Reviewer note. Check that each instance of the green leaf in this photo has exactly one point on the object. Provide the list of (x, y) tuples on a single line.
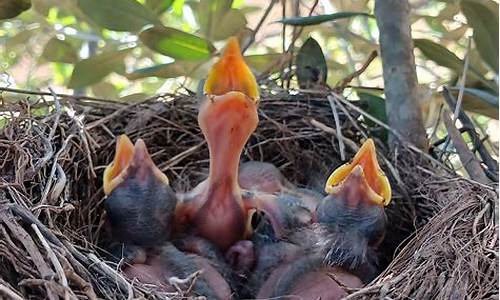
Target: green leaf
[(105, 90), (21, 38), (439, 54), (176, 44), (59, 51), (479, 101), (446, 58), (12, 8), (209, 13), (118, 15), (158, 6), (95, 68), (250, 9), (314, 20), (170, 70), (484, 21), (229, 24), (435, 24), (135, 97), (311, 64), (375, 106), (264, 62)]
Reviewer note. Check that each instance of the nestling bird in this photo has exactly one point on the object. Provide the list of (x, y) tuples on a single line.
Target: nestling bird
[(227, 117), (140, 204), (336, 251), (245, 221), (140, 208)]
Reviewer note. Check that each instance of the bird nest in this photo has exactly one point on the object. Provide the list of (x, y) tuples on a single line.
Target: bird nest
[(442, 239)]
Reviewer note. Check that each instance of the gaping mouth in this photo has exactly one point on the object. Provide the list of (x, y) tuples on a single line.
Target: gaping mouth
[(228, 116), (365, 172), (231, 74), (129, 158)]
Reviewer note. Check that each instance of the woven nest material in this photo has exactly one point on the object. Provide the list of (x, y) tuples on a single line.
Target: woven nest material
[(442, 240)]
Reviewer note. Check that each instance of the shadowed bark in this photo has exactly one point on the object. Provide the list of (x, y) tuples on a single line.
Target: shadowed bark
[(400, 78)]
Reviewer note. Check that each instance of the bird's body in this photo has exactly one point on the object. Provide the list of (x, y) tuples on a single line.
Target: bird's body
[(169, 262), (246, 222)]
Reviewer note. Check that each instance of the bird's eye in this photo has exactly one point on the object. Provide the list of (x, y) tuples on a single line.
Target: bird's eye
[(257, 219)]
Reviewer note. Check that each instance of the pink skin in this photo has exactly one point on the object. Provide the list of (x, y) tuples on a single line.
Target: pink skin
[(154, 271), (241, 256), (323, 284), (215, 208)]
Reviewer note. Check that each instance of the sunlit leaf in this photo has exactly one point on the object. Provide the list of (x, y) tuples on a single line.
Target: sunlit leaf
[(209, 13), (118, 15), (61, 72), (435, 24), (105, 90), (20, 39), (311, 64), (314, 20), (484, 21), (59, 51), (250, 9), (95, 68), (439, 54), (455, 34), (12, 8), (56, 11), (135, 97), (170, 70), (230, 23), (478, 101), (178, 6), (158, 6), (265, 62), (176, 44), (446, 58)]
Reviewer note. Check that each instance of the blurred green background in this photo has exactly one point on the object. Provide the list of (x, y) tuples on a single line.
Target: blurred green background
[(127, 50)]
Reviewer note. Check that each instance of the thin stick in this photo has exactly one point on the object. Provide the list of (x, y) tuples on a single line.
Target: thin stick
[(332, 131), (460, 97), (53, 170), (54, 260), (331, 99), (299, 32), (490, 162), (394, 132), (57, 115), (468, 159), (259, 25), (357, 73), (27, 92), (462, 83), (5, 290)]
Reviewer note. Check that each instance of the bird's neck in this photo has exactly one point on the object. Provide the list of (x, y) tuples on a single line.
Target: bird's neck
[(224, 161)]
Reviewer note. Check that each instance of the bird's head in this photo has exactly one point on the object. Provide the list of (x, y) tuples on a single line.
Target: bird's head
[(231, 74), (357, 192), (362, 179), (229, 112), (227, 117), (130, 161), (140, 204)]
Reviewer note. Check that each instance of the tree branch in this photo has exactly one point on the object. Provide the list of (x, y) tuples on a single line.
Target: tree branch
[(468, 159), (400, 77)]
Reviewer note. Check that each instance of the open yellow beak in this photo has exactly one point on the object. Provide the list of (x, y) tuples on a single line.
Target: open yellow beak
[(231, 74), (123, 156), (365, 172), (127, 157)]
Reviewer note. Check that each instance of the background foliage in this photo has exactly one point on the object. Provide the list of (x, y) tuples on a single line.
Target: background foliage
[(128, 49)]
